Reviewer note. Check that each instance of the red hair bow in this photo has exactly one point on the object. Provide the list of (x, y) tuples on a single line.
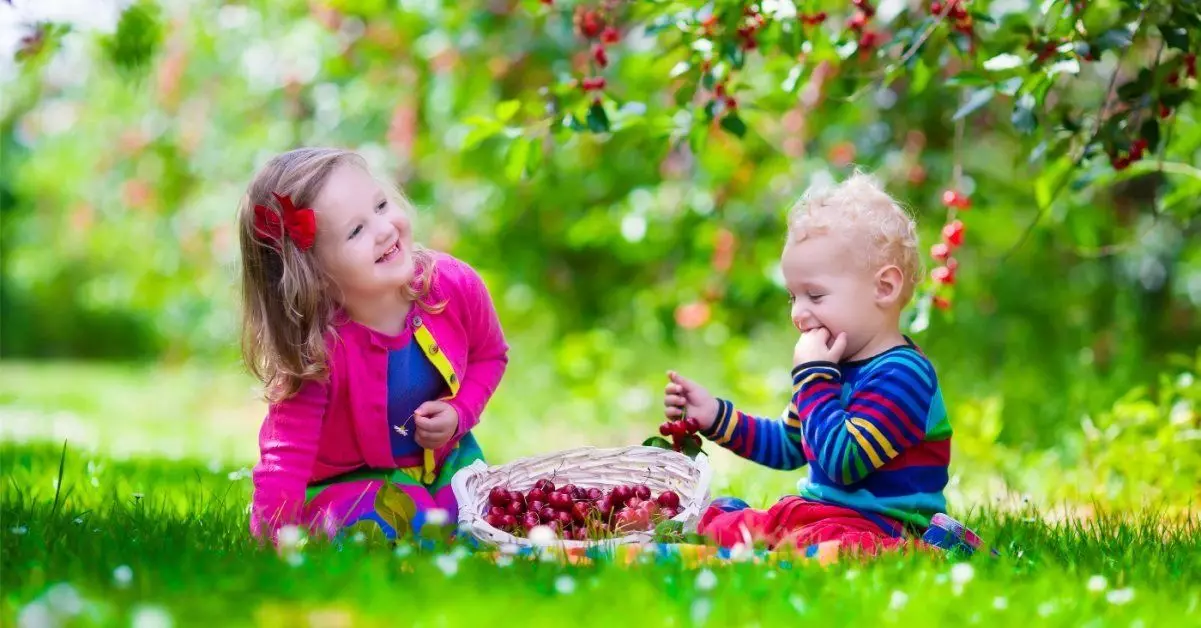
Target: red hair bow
[(301, 224)]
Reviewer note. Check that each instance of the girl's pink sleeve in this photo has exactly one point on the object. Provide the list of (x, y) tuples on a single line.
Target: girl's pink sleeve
[(487, 352), (287, 452)]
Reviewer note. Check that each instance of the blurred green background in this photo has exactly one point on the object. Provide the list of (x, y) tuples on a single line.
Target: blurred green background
[(1069, 355)]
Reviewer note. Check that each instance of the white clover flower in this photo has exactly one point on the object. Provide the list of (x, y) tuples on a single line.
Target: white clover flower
[(706, 580), (797, 602), (123, 575), (898, 600), (64, 600), (1096, 584), (291, 537), (1000, 603), (448, 564), (1045, 609), (565, 585), (504, 560), (36, 615), (151, 617), (240, 474), (542, 535), (1117, 597), (701, 607), (437, 516), (962, 573)]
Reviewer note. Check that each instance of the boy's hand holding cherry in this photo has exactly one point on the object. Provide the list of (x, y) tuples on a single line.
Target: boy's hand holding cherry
[(683, 397), (815, 346)]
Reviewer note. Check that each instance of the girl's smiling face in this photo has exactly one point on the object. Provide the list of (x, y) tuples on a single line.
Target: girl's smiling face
[(364, 239)]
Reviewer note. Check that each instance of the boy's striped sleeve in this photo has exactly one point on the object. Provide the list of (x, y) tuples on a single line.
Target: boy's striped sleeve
[(769, 442), (883, 417)]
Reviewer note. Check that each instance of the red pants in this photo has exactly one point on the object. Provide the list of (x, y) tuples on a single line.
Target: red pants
[(797, 522)]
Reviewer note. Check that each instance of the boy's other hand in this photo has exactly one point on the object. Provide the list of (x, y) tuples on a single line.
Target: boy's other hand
[(683, 395), (814, 346)]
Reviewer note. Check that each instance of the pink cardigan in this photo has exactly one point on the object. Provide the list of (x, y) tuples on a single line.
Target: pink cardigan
[(339, 425)]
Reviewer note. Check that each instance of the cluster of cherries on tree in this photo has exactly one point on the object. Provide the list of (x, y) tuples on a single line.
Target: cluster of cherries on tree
[(592, 26), (573, 512), (943, 252), (1120, 158)]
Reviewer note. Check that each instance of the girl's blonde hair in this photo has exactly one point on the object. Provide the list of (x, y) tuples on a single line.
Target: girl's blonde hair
[(878, 228), (287, 303)]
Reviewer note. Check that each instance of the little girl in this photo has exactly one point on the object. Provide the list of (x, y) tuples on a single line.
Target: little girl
[(377, 355)]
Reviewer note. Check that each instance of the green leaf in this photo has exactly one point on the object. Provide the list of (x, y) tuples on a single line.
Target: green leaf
[(507, 109), (685, 94), (1112, 38), (1175, 36), (692, 447), (373, 534), (598, 120), (534, 163), (920, 77), (1048, 182), (1150, 132), (657, 441), (1136, 88), (479, 133), (968, 78), (1023, 117), (978, 99), (519, 156), (395, 507), (1176, 98), (1004, 61), (734, 124)]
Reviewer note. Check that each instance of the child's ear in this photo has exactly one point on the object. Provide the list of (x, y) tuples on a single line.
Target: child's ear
[(889, 283)]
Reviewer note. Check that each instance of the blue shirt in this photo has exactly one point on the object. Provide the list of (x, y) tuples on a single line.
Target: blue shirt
[(412, 381)]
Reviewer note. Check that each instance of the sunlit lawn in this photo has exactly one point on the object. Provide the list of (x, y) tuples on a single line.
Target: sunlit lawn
[(149, 525)]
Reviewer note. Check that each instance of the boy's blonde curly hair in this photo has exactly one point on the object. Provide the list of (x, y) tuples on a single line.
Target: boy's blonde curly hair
[(877, 229)]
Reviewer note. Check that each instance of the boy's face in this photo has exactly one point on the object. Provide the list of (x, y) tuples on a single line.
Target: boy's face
[(829, 288)]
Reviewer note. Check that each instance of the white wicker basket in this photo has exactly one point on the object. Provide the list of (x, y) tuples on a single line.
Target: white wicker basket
[(586, 467)]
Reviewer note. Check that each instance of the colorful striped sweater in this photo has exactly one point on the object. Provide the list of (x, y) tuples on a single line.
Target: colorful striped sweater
[(874, 433)]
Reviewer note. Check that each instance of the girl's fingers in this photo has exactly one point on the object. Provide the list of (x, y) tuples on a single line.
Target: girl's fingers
[(673, 412)]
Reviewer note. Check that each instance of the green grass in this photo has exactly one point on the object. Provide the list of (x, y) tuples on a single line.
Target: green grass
[(170, 536), (149, 521)]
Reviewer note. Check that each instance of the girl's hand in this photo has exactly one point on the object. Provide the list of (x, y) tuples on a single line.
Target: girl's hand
[(694, 400), (436, 422), (814, 346)]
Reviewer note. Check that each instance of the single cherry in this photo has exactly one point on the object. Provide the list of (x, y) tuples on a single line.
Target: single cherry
[(499, 497), (943, 275), (952, 233), (669, 499)]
